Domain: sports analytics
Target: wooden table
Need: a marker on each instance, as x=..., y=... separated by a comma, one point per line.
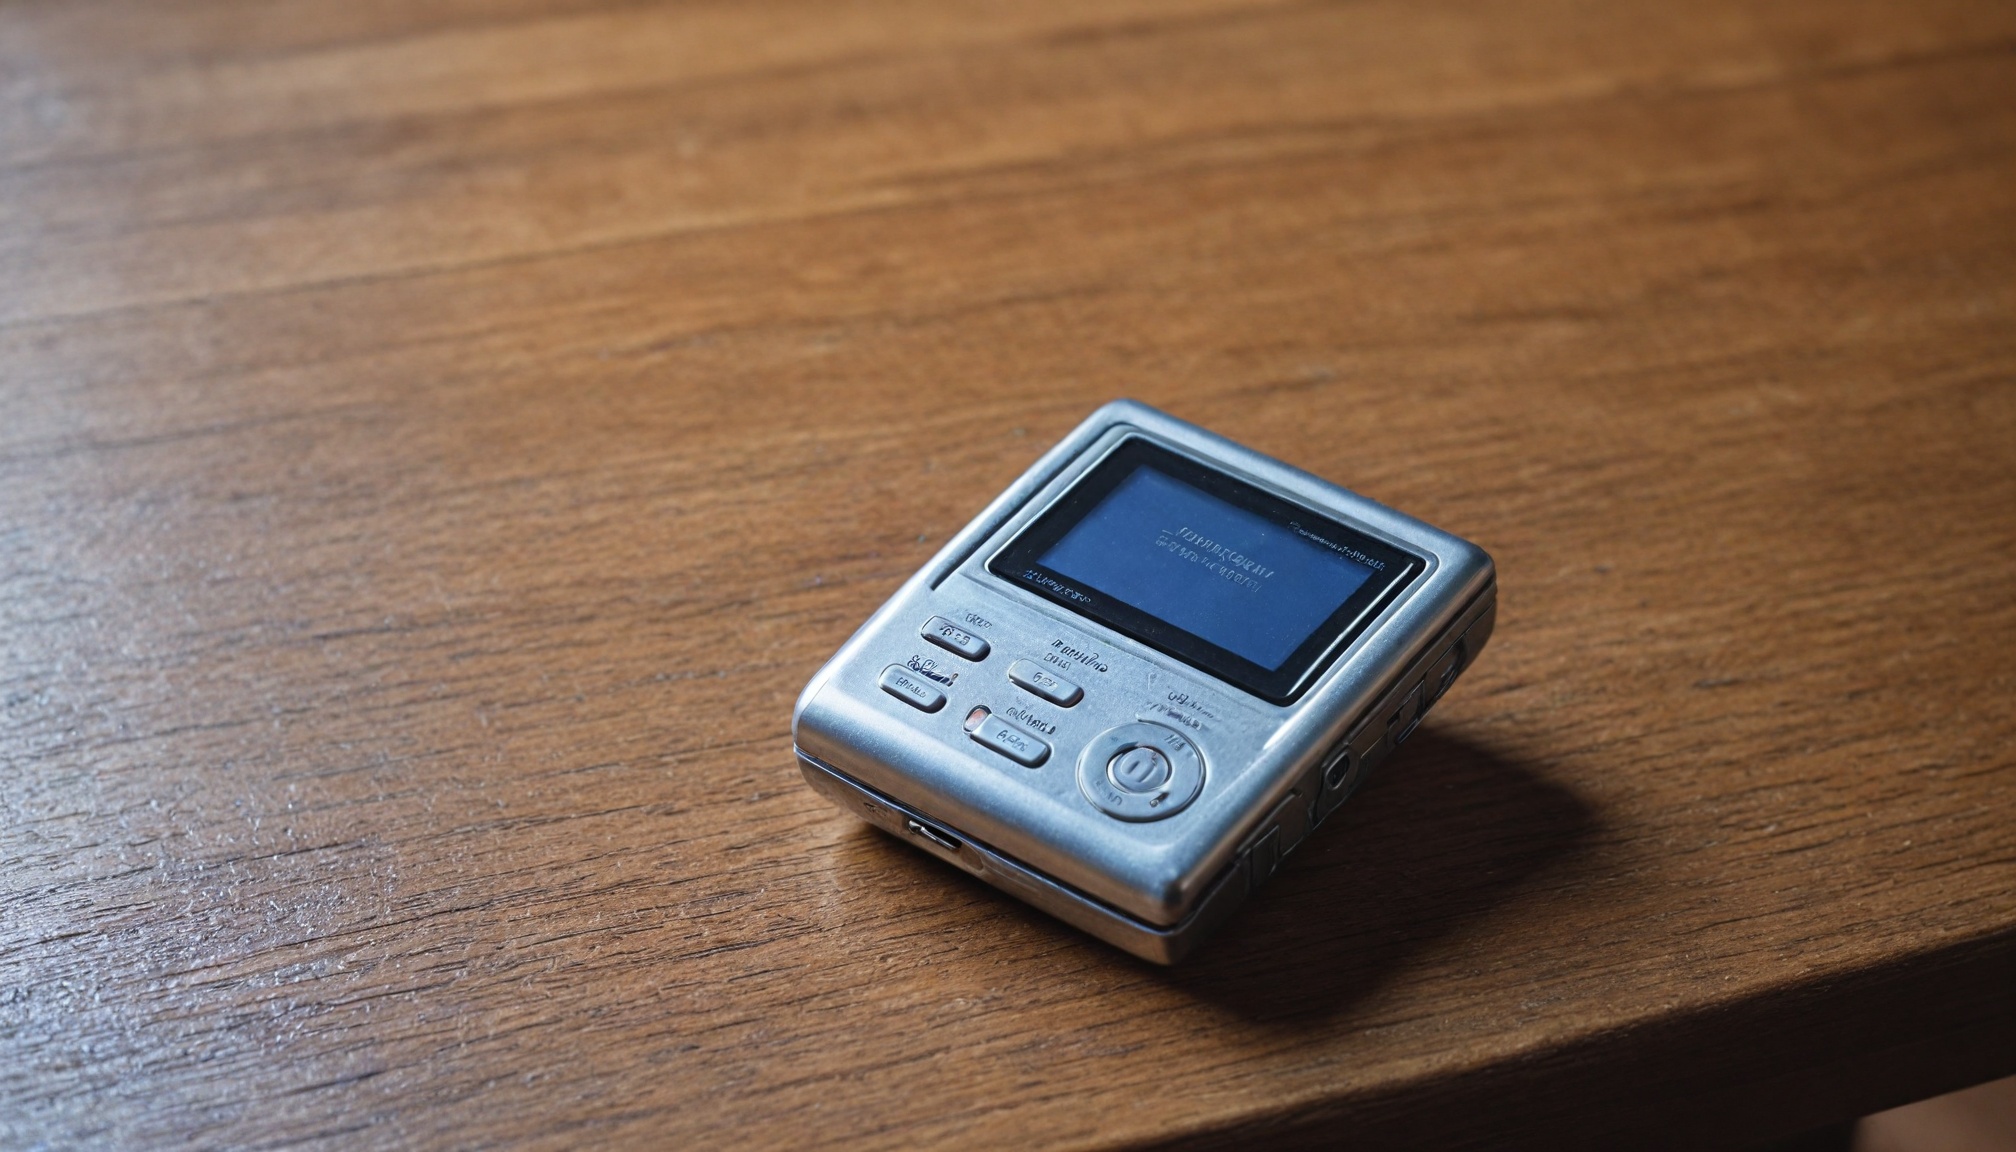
x=439, y=441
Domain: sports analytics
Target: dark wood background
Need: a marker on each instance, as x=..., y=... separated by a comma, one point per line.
x=438, y=440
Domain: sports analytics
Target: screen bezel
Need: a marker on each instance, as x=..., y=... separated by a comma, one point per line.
x=1017, y=564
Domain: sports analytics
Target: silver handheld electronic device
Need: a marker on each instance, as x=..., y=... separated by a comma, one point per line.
x=1142, y=675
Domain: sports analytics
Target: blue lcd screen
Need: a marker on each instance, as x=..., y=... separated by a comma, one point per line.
x=1210, y=568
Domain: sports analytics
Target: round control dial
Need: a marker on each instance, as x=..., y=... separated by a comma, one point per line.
x=1140, y=772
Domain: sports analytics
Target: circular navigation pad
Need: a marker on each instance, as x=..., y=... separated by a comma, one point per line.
x=1140, y=772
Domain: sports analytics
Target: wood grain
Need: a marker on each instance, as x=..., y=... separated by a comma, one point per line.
x=440, y=440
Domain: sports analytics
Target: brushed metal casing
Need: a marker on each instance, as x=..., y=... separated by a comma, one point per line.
x=1151, y=888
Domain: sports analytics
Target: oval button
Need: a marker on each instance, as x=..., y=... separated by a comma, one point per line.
x=899, y=682
x=1029, y=675
x=1011, y=742
x=954, y=639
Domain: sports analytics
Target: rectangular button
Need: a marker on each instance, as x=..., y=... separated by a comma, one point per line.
x=955, y=639
x=911, y=688
x=1402, y=723
x=1291, y=816
x=1266, y=858
x=1011, y=742
x=1055, y=689
x=1442, y=674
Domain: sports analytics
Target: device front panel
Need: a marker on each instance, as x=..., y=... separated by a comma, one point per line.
x=1115, y=679
x=989, y=713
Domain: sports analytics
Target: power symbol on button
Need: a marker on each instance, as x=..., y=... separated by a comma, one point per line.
x=1139, y=770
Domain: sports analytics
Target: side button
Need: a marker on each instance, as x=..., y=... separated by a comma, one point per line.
x=1447, y=667
x=1011, y=742
x=1408, y=718
x=1057, y=690
x=1266, y=858
x=897, y=681
x=954, y=639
